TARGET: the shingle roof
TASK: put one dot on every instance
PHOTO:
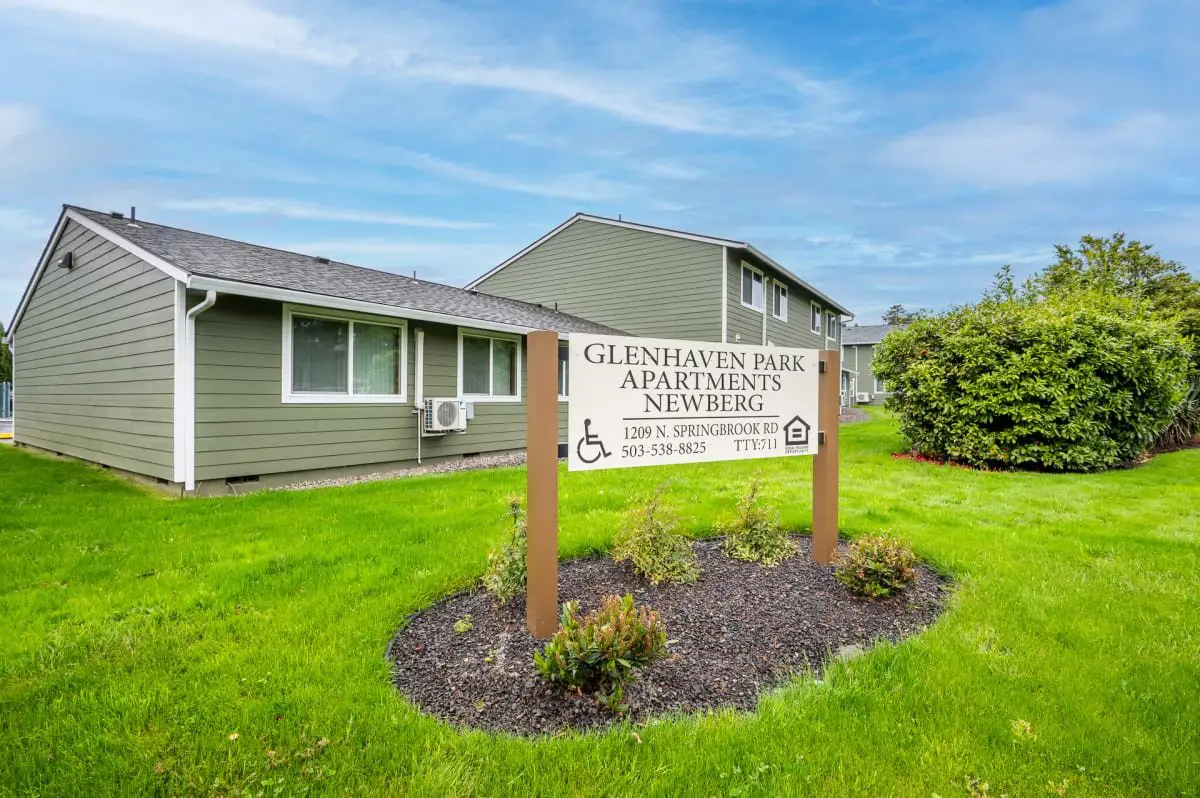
(222, 258)
(868, 333)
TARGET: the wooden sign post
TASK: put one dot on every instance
(541, 489)
(645, 401)
(825, 464)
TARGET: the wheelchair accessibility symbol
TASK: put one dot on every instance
(591, 444)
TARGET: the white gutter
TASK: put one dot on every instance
(189, 406)
(419, 391)
(724, 295)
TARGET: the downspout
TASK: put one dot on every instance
(419, 390)
(189, 352)
(764, 309)
(724, 295)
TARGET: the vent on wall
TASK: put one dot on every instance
(67, 261)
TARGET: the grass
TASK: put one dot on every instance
(235, 646)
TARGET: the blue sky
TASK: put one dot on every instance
(886, 150)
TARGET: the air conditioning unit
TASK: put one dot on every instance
(863, 397)
(445, 415)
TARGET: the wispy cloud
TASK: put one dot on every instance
(240, 24)
(1027, 148)
(260, 206)
(680, 81)
(576, 187)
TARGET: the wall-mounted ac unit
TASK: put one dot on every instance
(863, 397)
(445, 415)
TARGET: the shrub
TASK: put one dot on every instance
(754, 534)
(648, 540)
(876, 566)
(1184, 427)
(600, 653)
(505, 574)
(1077, 383)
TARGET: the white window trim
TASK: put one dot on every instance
(820, 316)
(831, 319)
(776, 284)
(291, 397)
(879, 386)
(481, 397)
(746, 267)
(565, 397)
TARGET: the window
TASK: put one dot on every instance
(489, 367)
(831, 326)
(879, 386)
(815, 319)
(334, 358)
(752, 288)
(564, 353)
(779, 300)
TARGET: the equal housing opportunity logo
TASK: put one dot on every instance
(796, 436)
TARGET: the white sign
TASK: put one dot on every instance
(651, 401)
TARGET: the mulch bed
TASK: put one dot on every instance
(740, 630)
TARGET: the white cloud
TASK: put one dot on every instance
(299, 210)
(241, 24)
(644, 70)
(576, 187)
(1021, 148)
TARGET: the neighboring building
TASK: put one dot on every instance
(205, 363)
(858, 353)
(663, 283)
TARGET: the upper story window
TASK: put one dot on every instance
(815, 318)
(779, 300)
(342, 358)
(489, 367)
(752, 288)
(831, 326)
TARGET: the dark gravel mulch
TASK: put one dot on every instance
(740, 630)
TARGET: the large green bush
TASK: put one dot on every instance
(1074, 383)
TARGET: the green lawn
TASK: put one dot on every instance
(141, 633)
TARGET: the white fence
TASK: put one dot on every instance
(6, 400)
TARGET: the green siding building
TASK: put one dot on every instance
(858, 354)
(662, 283)
(210, 365)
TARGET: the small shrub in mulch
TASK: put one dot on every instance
(600, 652)
(754, 534)
(876, 566)
(505, 574)
(740, 630)
(649, 540)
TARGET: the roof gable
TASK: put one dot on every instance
(742, 246)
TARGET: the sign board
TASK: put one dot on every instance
(650, 401)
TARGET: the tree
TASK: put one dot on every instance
(899, 315)
(5, 358)
(1121, 267)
